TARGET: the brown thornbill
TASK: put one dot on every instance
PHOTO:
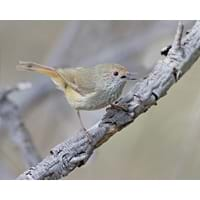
(86, 88)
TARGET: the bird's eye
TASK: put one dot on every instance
(115, 73)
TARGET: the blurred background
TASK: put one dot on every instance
(161, 144)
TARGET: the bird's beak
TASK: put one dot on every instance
(131, 76)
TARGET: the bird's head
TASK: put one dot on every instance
(115, 74)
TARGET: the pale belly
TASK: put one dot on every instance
(91, 101)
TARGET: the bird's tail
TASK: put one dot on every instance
(42, 69)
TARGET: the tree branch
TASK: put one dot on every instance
(9, 115)
(75, 151)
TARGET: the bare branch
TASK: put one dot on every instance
(75, 151)
(179, 35)
(177, 41)
(9, 115)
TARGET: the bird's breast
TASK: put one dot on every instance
(74, 98)
(92, 101)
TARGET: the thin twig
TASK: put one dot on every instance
(179, 35)
(75, 152)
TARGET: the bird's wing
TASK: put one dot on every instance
(81, 79)
(61, 77)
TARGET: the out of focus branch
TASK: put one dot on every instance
(75, 152)
(10, 117)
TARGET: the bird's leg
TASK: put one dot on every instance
(83, 127)
(80, 120)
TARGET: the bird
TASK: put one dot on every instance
(86, 88)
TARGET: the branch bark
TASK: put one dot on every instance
(75, 152)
